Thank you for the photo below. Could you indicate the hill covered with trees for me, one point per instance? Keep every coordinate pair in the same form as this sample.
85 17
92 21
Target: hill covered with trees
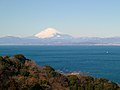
20 73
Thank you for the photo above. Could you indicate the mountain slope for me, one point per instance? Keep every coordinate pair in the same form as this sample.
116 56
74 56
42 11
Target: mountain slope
51 33
47 33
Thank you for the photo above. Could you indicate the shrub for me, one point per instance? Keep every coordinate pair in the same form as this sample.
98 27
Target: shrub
36 86
72 79
5 57
24 72
48 68
20 57
73 82
1 58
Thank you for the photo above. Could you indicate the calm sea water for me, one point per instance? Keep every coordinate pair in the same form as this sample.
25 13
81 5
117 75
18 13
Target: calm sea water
98 61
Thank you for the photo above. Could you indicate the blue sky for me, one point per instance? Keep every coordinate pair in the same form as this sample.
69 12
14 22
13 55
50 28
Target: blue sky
91 18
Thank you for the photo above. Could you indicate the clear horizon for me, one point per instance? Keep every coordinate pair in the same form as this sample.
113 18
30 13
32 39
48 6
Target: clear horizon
89 18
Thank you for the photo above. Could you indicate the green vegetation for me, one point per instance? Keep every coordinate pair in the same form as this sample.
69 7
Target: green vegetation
19 73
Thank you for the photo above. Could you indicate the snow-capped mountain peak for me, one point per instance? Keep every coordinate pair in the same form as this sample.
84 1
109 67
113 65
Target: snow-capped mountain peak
47 33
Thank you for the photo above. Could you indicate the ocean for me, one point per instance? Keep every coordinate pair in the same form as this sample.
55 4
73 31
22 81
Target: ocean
97 61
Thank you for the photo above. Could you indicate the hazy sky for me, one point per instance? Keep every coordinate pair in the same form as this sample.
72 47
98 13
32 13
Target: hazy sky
99 18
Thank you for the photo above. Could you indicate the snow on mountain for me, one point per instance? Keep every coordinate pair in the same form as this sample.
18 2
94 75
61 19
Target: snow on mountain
48 33
51 36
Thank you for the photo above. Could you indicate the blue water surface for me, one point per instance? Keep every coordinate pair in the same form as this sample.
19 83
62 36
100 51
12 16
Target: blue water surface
98 61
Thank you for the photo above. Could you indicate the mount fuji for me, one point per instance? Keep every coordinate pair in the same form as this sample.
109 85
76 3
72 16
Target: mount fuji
51 33
51 36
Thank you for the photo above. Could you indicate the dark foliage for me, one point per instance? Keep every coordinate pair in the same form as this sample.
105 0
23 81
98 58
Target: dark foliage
19 73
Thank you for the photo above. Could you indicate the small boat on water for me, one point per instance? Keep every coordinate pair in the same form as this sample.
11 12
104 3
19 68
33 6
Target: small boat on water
107 52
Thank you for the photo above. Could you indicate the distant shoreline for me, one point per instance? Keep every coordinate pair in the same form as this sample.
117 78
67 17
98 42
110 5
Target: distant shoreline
58 45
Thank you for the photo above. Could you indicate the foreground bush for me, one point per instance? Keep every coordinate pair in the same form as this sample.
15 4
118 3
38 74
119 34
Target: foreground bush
19 73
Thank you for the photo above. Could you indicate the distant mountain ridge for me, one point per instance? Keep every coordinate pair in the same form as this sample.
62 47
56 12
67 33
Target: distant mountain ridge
51 36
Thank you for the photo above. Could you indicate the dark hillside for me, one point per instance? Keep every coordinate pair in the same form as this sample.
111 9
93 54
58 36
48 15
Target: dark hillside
20 73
